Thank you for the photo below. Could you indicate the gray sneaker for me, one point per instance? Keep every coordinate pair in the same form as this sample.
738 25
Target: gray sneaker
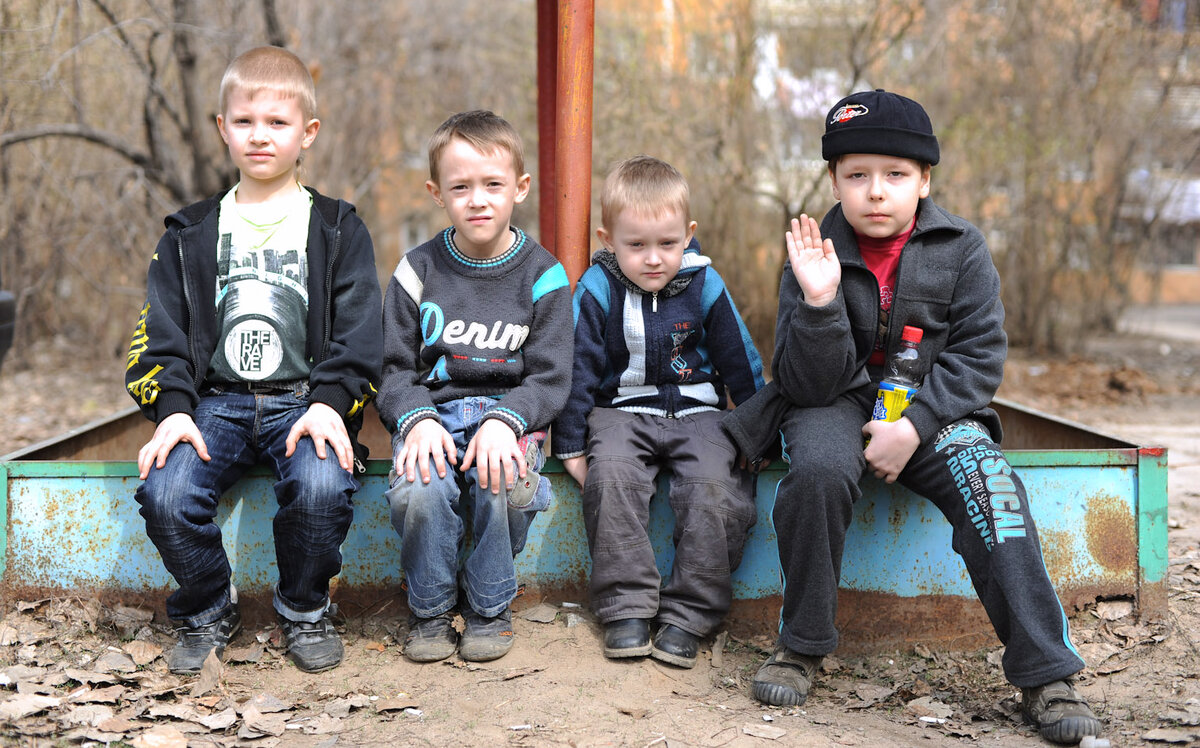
1060 712
486 639
313 645
430 639
786 676
523 490
195 642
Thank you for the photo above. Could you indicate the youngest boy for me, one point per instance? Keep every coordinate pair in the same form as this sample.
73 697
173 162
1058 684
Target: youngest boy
476 358
657 340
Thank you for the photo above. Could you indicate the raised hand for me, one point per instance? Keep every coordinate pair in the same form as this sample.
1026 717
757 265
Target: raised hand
814 262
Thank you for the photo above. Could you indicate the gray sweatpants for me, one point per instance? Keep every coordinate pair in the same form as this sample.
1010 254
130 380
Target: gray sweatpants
713 503
964 473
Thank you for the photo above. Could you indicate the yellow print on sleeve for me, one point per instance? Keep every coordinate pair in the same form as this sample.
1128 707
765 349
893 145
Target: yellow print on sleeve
145 389
140 341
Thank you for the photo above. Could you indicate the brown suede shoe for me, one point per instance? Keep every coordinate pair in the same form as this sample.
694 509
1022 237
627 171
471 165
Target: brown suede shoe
1060 712
786 676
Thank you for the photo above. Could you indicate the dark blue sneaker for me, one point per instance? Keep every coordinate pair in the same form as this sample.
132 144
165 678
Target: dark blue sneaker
195 642
313 645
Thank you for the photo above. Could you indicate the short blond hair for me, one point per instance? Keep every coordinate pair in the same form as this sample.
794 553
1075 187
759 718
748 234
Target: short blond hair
485 131
646 184
270 69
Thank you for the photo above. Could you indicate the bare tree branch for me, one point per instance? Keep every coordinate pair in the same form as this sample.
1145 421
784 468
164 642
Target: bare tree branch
105 140
275 35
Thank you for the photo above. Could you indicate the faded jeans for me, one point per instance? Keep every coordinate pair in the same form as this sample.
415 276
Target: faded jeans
432 519
179 504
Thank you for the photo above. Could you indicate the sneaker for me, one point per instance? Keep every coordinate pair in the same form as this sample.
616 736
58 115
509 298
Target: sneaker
628 637
675 646
313 645
430 639
486 639
784 679
1060 712
522 492
196 642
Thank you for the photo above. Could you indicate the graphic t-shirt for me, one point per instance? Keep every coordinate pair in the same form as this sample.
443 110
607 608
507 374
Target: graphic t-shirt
882 258
262 290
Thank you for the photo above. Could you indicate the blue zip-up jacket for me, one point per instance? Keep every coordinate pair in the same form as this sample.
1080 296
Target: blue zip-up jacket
668 354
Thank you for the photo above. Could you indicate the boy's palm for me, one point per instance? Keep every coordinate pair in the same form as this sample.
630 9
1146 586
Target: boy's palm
493 450
814 262
427 437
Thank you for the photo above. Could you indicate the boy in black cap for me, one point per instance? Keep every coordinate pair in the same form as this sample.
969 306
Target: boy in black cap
841 311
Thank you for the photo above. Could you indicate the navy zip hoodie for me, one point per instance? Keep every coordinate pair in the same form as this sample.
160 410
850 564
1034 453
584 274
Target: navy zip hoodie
666 354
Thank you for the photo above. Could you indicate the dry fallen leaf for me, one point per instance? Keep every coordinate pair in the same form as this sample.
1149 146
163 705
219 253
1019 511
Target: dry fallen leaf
397 704
1169 735
89 715
23 705
160 737
210 674
221 720
927 706
770 732
115 661
255 724
343 707
265 703
322 724
540 613
108 695
142 652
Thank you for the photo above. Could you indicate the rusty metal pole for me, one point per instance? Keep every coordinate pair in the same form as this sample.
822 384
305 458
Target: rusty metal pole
573 140
547 87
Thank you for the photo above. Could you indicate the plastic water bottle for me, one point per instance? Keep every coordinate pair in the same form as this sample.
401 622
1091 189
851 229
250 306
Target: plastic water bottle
903 378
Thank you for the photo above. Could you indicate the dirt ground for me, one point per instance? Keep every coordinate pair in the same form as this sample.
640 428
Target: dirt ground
75 672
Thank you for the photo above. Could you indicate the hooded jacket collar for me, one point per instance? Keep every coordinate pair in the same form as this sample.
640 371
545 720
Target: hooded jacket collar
693 261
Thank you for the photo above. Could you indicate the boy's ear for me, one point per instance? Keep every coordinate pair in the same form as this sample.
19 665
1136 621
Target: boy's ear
434 192
310 133
221 128
925 172
523 183
691 231
837 195
604 237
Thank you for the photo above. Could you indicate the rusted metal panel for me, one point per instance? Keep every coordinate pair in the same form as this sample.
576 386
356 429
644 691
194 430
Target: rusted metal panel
75 525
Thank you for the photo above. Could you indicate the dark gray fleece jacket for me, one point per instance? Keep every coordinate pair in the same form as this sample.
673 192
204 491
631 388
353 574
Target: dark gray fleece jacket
946 284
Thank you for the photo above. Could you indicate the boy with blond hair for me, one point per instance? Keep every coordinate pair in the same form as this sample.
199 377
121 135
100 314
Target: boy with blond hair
477 333
259 342
657 342
890 257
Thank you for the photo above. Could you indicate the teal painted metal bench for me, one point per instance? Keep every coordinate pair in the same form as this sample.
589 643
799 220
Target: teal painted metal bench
72 524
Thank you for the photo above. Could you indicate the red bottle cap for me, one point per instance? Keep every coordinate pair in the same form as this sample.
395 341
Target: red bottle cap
912 334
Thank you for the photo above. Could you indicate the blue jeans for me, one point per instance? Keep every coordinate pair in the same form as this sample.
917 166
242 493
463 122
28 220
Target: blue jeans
431 519
179 504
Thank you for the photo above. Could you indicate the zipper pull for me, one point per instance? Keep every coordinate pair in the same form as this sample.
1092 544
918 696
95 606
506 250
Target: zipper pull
654 301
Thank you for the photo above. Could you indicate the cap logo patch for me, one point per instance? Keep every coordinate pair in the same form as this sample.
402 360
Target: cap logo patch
847 113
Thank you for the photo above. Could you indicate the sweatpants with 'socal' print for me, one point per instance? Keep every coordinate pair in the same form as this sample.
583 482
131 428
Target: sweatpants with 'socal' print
965 474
